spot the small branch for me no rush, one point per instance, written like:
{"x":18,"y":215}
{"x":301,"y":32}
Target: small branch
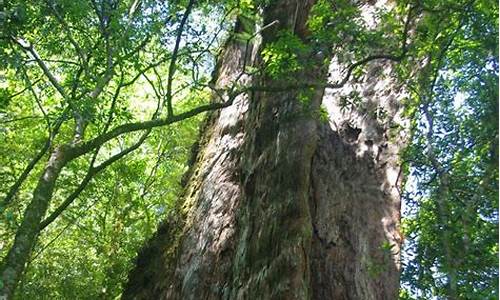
{"x":172,"y":67}
{"x":76,"y":81}
{"x":20,"y":119}
{"x":37,"y":99}
{"x":29,"y":48}
{"x":352,"y":67}
{"x":67,"y":31}
{"x":78,"y":118}
{"x":152,"y":66}
{"x":133,"y":8}
{"x":104,"y":16}
{"x":149,"y":67}
{"x":60,"y":233}
{"x":134,"y":51}
{"x":23,"y":90}
{"x":108,"y":74}
{"x":113,"y":104}
{"x":156,"y":92}
{"x":57,"y":61}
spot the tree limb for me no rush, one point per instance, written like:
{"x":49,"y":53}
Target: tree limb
{"x":29,"y":48}
{"x":172,"y":67}
{"x":92,"y":171}
{"x":137,"y":126}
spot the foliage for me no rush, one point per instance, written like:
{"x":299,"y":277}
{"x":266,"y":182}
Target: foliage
{"x":332,"y":21}
{"x":111,"y":219}
{"x":323,"y":114}
{"x":452,"y":189}
{"x":282,"y":57}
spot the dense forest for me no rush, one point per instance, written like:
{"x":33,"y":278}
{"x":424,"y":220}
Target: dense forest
{"x":249,"y":149}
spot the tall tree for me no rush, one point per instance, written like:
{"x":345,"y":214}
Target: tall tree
{"x":289,"y":199}
{"x":294,"y":185}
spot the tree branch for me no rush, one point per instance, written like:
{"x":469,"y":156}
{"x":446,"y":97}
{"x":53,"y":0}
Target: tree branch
{"x":37,"y":100}
{"x":20,"y":119}
{"x":23,"y":90}
{"x":92,"y":171}
{"x":67,"y":31}
{"x":350,"y":68}
{"x":132,"y":127}
{"x":325,"y":85}
{"x":172,"y":67}
{"x":29,"y":48}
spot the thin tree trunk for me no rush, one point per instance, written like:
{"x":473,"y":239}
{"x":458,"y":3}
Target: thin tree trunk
{"x":279,"y":205}
{"x":14,"y":263}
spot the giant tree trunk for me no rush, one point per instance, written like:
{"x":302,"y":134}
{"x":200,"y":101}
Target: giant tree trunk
{"x":279,"y":205}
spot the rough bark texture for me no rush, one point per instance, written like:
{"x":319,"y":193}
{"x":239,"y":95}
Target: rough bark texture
{"x":279,"y":205}
{"x":354,"y":194}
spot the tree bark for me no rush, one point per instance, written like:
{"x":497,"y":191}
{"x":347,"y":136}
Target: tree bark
{"x":280,"y":205}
